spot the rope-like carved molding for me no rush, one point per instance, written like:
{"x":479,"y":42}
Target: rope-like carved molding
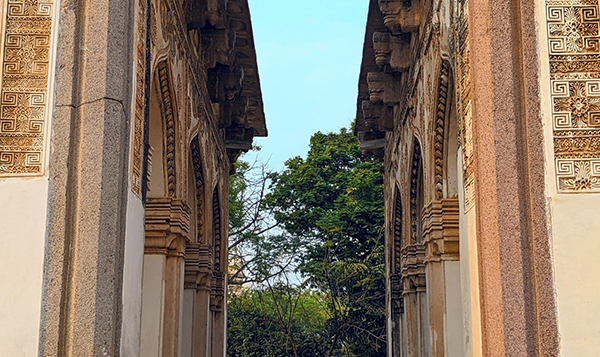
{"x":574,"y":54}
{"x":168,"y":115}
{"x":440,"y":128}
{"x":140,"y":99}
{"x":397,"y":252}
{"x":199,"y":182}
{"x":414,"y":192}
{"x":218,"y":280}
{"x":216,"y":206}
{"x":27,"y":50}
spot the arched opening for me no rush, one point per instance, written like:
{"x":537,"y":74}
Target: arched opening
{"x":398,"y":330}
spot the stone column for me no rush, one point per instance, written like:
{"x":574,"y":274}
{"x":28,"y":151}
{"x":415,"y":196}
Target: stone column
{"x":397,"y":315}
{"x":82,"y":291}
{"x":415,"y":290}
{"x":441,"y":231}
{"x":518,"y":309}
{"x":167,"y":227}
{"x":198,"y":278}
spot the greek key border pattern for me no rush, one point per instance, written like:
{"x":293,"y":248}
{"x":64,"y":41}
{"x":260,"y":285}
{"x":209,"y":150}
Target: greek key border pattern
{"x":24,"y":92}
{"x":573,"y":28}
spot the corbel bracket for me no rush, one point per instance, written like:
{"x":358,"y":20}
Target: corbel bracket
{"x":392,"y":52}
{"x":401,"y":16}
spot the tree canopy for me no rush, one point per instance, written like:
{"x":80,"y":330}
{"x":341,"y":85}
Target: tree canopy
{"x":329,"y":211}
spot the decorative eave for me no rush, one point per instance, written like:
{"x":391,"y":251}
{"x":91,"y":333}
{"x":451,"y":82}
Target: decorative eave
{"x":386,"y":58}
{"x":245,"y":53}
{"x":374,"y":24}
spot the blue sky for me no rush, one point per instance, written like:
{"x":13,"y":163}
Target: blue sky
{"x":309,"y":54}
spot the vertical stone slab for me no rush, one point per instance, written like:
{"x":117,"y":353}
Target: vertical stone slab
{"x":517,"y":301}
{"x":81,"y":315}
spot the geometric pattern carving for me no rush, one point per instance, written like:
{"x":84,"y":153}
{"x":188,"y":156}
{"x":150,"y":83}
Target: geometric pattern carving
{"x":24,"y":93}
{"x":140,"y":99}
{"x":574,"y":53}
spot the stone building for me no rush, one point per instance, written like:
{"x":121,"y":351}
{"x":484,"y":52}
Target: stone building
{"x":120,"y":121}
{"x":485,"y":114}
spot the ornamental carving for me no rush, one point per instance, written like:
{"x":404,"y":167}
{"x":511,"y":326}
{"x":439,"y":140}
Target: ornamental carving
{"x":24,"y":94}
{"x":440,"y":129}
{"x":168,"y":111}
{"x":415,"y":183}
{"x":139,"y":119}
{"x":462,"y":50}
{"x":199,"y":183}
{"x":397,"y":253}
{"x":574,"y":53}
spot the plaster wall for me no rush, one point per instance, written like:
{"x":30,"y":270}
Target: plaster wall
{"x":454,"y":327}
{"x":23,"y":220}
{"x":575,"y":232}
{"x":187,"y":331}
{"x":469,"y":278}
{"x":153,"y":299}
{"x":132,"y":278}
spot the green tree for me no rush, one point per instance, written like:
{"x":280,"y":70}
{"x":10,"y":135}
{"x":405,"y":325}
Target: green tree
{"x":331,"y":203}
{"x":276,"y":321}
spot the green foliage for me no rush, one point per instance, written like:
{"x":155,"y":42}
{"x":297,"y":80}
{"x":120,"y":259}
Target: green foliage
{"x":332,"y":201}
{"x":328,"y":210}
{"x":279,"y":320}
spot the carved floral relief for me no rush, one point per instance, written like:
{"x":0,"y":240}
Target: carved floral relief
{"x":574,"y":52}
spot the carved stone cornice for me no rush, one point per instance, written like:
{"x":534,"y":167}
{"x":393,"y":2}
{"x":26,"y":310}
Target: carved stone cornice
{"x":396,"y":292}
{"x":238,"y":139}
{"x":401,"y":16}
{"x":206,"y":13}
{"x":441,"y":230}
{"x":217,"y":294}
{"x":392,"y":53}
{"x":198,"y":266}
{"x":167,"y":225}
{"x":383,"y":88}
{"x":377,"y":116}
{"x":224,"y":82}
{"x":372,"y":143}
{"x":413,"y":269}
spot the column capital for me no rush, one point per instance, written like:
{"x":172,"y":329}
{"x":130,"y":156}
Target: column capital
{"x":441,"y":230}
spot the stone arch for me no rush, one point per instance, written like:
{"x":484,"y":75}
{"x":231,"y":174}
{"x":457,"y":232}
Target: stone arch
{"x":440,"y":140}
{"x":168,"y":109}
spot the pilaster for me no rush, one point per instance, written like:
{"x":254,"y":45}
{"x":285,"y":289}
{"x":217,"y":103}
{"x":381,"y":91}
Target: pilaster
{"x":88,"y":178}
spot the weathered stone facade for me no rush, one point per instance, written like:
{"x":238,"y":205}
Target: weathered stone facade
{"x":120,"y":123}
{"x":483,"y":113}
